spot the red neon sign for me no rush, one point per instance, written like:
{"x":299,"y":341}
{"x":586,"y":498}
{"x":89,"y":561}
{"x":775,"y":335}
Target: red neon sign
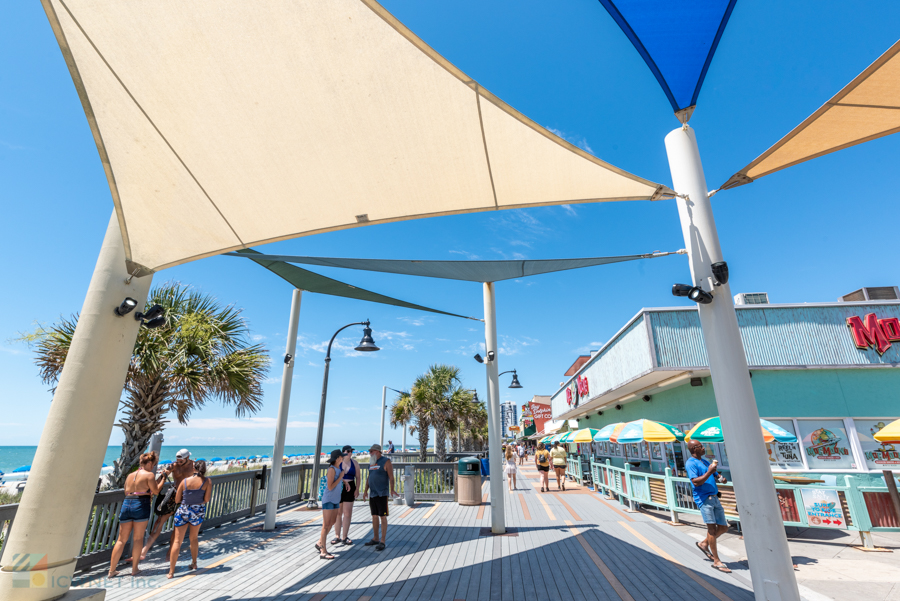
{"x":872,"y":331}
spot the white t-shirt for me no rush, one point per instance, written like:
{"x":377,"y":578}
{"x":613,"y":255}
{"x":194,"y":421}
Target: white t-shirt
{"x":521,"y":451}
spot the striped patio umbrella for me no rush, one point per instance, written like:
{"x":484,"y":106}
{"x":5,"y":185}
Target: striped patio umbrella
{"x":567,"y":437}
{"x":710,"y":430}
{"x":890,"y":434}
{"x":608,"y":432}
{"x":647,"y":430}
{"x":585,"y":435}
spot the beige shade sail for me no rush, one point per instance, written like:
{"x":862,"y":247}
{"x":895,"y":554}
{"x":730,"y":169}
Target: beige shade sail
{"x":225,"y":123}
{"x":867,"y":108}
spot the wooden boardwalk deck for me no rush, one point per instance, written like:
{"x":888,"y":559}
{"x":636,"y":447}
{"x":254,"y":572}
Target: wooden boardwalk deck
{"x":568,"y":545}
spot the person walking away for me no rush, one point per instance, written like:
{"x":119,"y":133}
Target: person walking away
{"x":181,"y":469}
{"x":542,"y":461}
{"x":510,"y":469}
{"x":331,"y":500}
{"x":349,"y":492}
{"x":140,"y":487}
{"x":390,"y":447}
{"x":192,"y":496}
{"x":381,"y":483}
{"x":521,"y":454}
{"x":703,"y":477}
{"x":558,"y":455}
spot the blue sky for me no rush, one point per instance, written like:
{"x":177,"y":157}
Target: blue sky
{"x":807,"y":234}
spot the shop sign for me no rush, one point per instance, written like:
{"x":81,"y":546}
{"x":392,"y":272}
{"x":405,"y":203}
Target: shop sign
{"x":514,"y":428}
{"x":526,"y":410}
{"x":785,"y":452}
{"x":878,"y":456}
{"x":823,"y":508}
{"x":577,"y":391}
{"x":871,"y":331}
{"x":824,"y":446}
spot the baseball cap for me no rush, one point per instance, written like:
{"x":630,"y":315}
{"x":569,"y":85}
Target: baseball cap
{"x":375,"y":447}
{"x":335,"y":455}
{"x":347,"y":449}
{"x":183,"y":454}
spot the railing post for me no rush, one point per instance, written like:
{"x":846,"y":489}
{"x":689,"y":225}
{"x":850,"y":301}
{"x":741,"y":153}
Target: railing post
{"x":254,"y":489}
{"x":671,"y":498}
{"x":611,"y":486}
{"x":626,"y":487}
{"x":409,"y":485}
{"x":860,"y":518}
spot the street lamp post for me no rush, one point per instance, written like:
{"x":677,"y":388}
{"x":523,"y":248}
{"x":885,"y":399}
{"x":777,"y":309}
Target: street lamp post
{"x":365,"y":345}
{"x":384,"y":390}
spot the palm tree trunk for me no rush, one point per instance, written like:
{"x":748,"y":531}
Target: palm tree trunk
{"x":440,"y":441}
{"x":423,"y":440}
{"x":144,"y":412}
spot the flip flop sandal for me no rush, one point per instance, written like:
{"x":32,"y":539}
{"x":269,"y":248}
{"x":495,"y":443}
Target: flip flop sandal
{"x":318,"y":548}
{"x":326,"y":556}
{"x":335,"y":541}
{"x":371,"y":543}
{"x":704,"y":551}
{"x":379,"y":547}
{"x":722,"y":568}
{"x":347,"y":541}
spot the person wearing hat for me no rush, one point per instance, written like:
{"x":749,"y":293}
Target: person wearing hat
{"x":381,"y":483}
{"x":331,"y":500}
{"x":349,"y":493}
{"x":165,"y":508}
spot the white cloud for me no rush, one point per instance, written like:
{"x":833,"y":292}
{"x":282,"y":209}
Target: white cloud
{"x":414,"y":321}
{"x":466,"y":254}
{"x":579,"y":141}
{"x":569,"y":209}
{"x":257,"y":337}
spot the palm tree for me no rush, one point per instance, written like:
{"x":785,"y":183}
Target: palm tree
{"x":408,"y":410}
{"x":201,"y":353}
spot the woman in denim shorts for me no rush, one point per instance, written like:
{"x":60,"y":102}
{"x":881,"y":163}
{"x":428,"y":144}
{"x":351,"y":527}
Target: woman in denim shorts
{"x":192,"y":496}
{"x":140,"y":486}
{"x":331,"y":500}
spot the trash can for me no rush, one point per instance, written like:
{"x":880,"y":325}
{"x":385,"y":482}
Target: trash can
{"x":468,"y":481}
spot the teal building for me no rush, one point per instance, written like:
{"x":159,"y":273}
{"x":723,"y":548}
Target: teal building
{"x":827,"y":372}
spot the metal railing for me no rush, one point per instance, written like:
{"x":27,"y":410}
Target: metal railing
{"x":866,"y":508}
{"x":235,"y":496}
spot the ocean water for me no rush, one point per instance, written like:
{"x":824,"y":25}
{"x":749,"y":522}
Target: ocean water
{"x":14,"y":457}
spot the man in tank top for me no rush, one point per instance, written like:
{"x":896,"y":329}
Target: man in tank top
{"x":381,"y":483}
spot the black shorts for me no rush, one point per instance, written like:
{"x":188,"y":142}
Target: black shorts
{"x":559,"y":467}
{"x":379,"y":506}
{"x":167,"y":508}
{"x":348,"y":496}
{"x":543,"y":468}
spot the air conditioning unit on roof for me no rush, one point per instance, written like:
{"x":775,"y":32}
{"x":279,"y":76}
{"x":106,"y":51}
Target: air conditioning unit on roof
{"x":751,"y":298}
{"x":872,"y":294}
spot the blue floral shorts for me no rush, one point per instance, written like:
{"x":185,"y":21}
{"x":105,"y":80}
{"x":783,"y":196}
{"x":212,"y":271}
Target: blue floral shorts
{"x":189,"y":514}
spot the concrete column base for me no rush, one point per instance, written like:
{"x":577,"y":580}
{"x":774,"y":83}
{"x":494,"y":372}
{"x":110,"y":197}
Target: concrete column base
{"x":84,"y":594}
{"x":42,"y":585}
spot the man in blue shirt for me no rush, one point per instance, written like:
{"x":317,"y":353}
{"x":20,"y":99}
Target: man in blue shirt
{"x":703,"y":476}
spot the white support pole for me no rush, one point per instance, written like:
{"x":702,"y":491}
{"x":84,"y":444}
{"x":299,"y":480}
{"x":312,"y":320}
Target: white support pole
{"x":771,"y":567}
{"x":50,"y":522}
{"x":404,"y":438}
{"x":383,"y":407}
{"x":498,"y":521}
{"x":287,"y":377}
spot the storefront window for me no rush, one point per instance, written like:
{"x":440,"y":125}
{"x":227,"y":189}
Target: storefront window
{"x":878,"y":456}
{"x":614,"y":449}
{"x":656,"y":450}
{"x":784,"y":455}
{"x":826,"y":444}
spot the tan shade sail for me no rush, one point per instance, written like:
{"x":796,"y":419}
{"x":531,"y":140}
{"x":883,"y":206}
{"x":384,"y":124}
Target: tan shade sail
{"x":867,"y":108}
{"x":227,"y":123}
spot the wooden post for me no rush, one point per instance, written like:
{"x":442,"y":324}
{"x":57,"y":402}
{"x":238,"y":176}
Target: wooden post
{"x":892,"y":491}
{"x":254,"y":490}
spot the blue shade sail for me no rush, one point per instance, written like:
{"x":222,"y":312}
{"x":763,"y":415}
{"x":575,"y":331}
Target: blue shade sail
{"x":677,"y":39}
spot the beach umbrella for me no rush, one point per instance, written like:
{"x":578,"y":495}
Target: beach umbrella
{"x":104,"y":465}
{"x":241,"y":458}
{"x":201,"y":459}
{"x":647,"y":430}
{"x":585,"y":435}
{"x":607,"y":432}
{"x":568,"y":437}
{"x":265,"y":456}
{"x":231,"y":458}
{"x":710,"y":430}
{"x":24,"y":468}
{"x":216,"y":459}
{"x":889,"y":434}
{"x":166,"y":462}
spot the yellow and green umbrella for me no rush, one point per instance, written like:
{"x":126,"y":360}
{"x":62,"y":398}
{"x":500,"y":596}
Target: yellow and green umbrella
{"x":889,"y":434}
{"x":710,"y":430}
{"x":646,"y":430}
{"x":584,"y":435}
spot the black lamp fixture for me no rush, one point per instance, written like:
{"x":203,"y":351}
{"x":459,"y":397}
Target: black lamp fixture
{"x":515,"y":380}
{"x":478,"y":358}
{"x":153,"y":318}
{"x":126,"y":307}
{"x":646,"y":398}
{"x":696,"y":381}
{"x":367,"y":344}
{"x":694,"y":293}
{"x":618,"y":407}
{"x":599,"y":413}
